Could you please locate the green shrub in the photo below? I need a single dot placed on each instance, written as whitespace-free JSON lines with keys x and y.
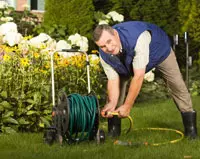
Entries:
{"x":77,"y":15}
{"x":57,"y":32}
{"x":153,"y":90}
{"x":194,"y":77}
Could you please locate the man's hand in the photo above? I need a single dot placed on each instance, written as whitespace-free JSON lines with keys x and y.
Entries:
{"x":124,"y":110}
{"x":109,"y":107}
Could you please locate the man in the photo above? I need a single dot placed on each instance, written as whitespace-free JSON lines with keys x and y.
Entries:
{"x":131,"y":49}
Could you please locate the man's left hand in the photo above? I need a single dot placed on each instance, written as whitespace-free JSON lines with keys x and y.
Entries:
{"x":124,"y":110}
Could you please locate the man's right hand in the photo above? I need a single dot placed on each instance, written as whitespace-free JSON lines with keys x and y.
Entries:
{"x":109,"y":107}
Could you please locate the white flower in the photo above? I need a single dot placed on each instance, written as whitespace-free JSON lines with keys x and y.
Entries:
{"x":74,"y":38}
{"x":8,"y":27}
{"x":103,"y":22}
{"x":80,"y":41}
{"x":69,"y":54}
{"x":116,"y":16}
{"x":39,"y":40}
{"x":3,"y":4}
{"x":43,"y":37}
{"x":6,"y":19}
{"x":83,"y":43}
{"x":51,"y":44}
{"x":149,"y":76}
{"x":62,"y":44}
{"x":12,"y":38}
{"x":94,"y":59}
{"x":24,"y":46}
{"x":3,"y":19}
{"x":7,"y":12}
{"x":107,"y":16}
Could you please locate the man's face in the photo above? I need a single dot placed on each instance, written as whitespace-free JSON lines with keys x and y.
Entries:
{"x":109,"y":43}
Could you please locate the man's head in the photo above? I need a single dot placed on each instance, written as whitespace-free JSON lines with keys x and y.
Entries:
{"x":107,"y":39}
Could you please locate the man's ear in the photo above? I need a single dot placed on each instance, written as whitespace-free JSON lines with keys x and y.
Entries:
{"x":115,"y":32}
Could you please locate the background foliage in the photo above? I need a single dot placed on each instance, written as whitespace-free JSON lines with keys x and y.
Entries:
{"x":74,"y":17}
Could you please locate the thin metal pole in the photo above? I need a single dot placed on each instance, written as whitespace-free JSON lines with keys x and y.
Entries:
{"x":88,"y":71}
{"x":52,"y":78}
{"x":175,"y":41}
{"x":187,"y":60}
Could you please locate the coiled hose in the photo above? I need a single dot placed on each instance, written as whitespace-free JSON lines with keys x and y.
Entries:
{"x":83,"y":117}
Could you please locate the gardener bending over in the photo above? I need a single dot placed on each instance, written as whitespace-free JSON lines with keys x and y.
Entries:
{"x":131,"y":49}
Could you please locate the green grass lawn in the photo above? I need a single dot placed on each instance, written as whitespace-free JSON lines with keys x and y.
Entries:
{"x":162,"y":114}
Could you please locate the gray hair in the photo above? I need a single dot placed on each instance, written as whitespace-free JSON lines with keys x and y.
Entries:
{"x":99,"y":29}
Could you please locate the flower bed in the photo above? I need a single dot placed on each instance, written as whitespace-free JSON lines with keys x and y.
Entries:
{"x":25,"y":87}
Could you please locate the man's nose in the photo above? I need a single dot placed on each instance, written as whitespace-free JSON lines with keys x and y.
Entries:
{"x":108,"y":48}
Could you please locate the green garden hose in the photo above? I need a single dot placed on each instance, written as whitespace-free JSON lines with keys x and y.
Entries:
{"x":82,"y":116}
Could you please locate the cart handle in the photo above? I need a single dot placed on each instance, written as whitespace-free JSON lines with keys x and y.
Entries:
{"x":52,"y":70}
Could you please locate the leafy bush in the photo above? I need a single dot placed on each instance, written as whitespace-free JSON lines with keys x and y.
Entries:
{"x":77,"y":18}
{"x":56,"y":31}
{"x":194,"y":78}
{"x":25,"y":88}
{"x":153,"y":90}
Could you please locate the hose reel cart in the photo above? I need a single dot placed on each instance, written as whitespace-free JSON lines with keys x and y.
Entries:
{"x":75,"y":118}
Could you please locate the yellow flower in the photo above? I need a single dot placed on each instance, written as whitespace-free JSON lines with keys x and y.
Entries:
{"x":80,"y":65}
{"x":56,"y":56}
{"x":44,"y":71}
{"x":8,"y":49}
{"x":63,"y":62}
{"x":6,"y":57}
{"x":42,"y":46}
{"x":27,"y":37}
{"x":47,"y":66}
{"x":94,"y":51}
{"x":36,"y":55}
{"x":24,"y":62}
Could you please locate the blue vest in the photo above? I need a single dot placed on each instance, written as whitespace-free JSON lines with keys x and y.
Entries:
{"x":129,"y":32}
